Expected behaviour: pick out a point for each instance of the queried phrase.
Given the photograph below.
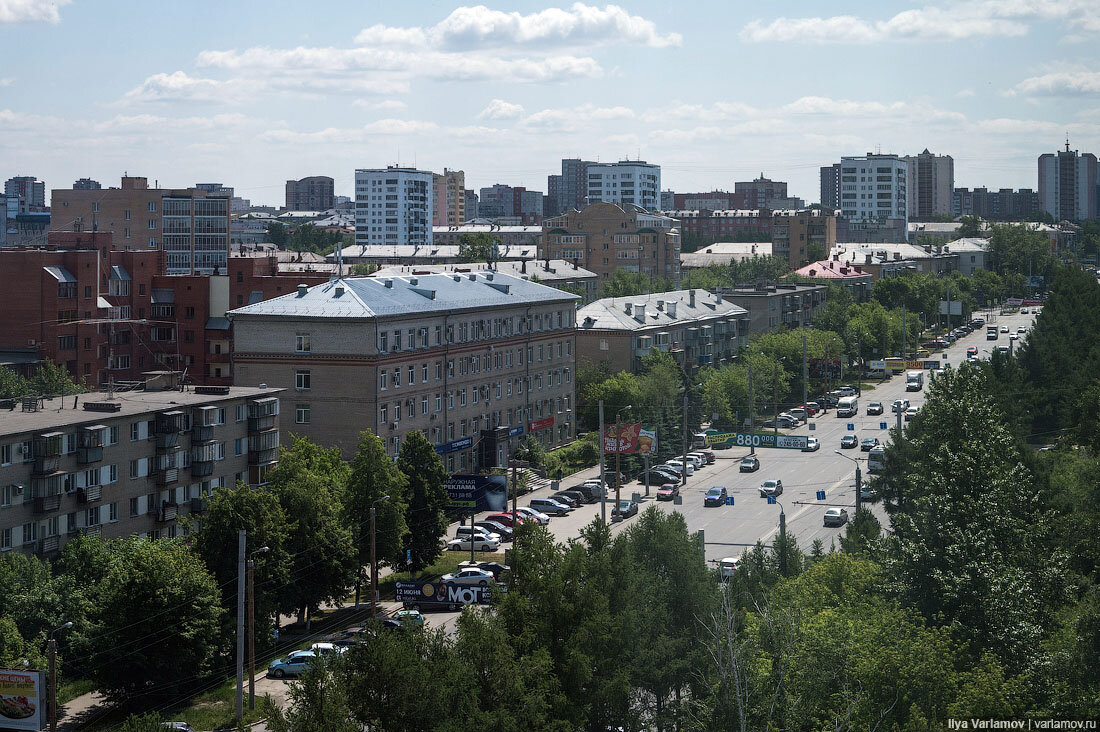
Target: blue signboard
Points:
(455, 445)
(729, 500)
(851, 426)
(771, 500)
(882, 425)
(821, 495)
(517, 430)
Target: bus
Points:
(874, 459)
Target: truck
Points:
(914, 380)
(847, 406)
(875, 459)
(991, 333)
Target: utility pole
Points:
(52, 645)
(904, 333)
(603, 483)
(252, 627)
(782, 541)
(752, 408)
(684, 472)
(859, 488)
(645, 462)
(775, 397)
(859, 358)
(805, 374)
(242, 537)
(884, 331)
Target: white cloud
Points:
(398, 127)
(31, 11)
(964, 93)
(500, 109)
(384, 105)
(574, 118)
(7, 81)
(478, 27)
(1068, 83)
(175, 87)
(6, 115)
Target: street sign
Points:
(812, 426)
(882, 425)
(758, 439)
(729, 500)
(821, 495)
(771, 500)
(408, 556)
(851, 426)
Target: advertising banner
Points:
(541, 424)
(22, 699)
(877, 365)
(455, 445)
(630, 439)
(412, 593)
(758, 439)
(476, 493)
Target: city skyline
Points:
(263, 95)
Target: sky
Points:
(251, 93)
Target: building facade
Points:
(87, 184)
(464, 358)
(724, 224)
(874, 188)
(764, 193)
(633, 182)
(448, 198)
(315, 193)
(128, 463)
(605, 237)
(1005, 204)
(556, 273)
(28, 191)
(1067, 185)
(695, 327)
(830, 186)
(774, 306)
(931, 185)
(570, 189)
(796, 232)
(393, 206)
(508, 236)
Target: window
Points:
(438, 402)
(383, 417)
(5, 538)
(134, 507)
(139, 468)
(241, 412)
(302, 343)
(112, 435)
(438, 370)
(5, 454)
(412, 375)
(30, 533)
(383, 380)
(383, 342)
(424, 374)
(301, 414)
(424, 404)
(112, 511)
(396, 378)
(397, 340)
(410, 407)
(302, 380)
(603, 344)
(238, 447)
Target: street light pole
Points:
(242, 537)
(618, 455)
(252, 627)
(859, 478)
(53, 675)
(374, 555)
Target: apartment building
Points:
(797, 233)
(1067, 185)
(605, 237)
(709, 201)
(551, 272)
(774, 306)
(508, 236)
(931, 184)
(86, 184)
(568, 190)
(501, 201)
(633, 182)
(873, 187)
(473, 360)
(28, 191)
(830, 186)
(393, 206)
(1004, 204)
(448, 198)
(851, 276)
(314, 193)
(765, 193)
(696, 327)
(128, 462)
(190, 225)
(718, 225)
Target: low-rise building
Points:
(723, 225)
(128, 462)
(553, 272)
(928, 258)
(778, 305)
(725, 252)
(413, 254)
(851, 276)
(697, 327)
(508, 236)
(972, 253)
(473, 360)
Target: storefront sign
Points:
(454, 446)
(22, 699)
(758, 439)
(412, 593)
(541, 424)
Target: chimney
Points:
(627, 308)
(339, 291)
(691, 298)
(660, 305)
(868, 260)
(670, 307)
(639, 312)
(523, 266)
(302, 290)
(718, 298)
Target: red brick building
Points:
(724, 225)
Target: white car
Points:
(697, 461)
(910, 413)
(836, 517)
(464, 531)
(469, 577)
(481, 543)
(678, 463)
(728, 566)
(529, 512)
(322, 648)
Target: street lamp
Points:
(619, 453)
(252, 626)
(52, 644)
(859, 484)
(374, 558)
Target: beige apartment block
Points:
(128, 462)
(448, 198)
(474, 360)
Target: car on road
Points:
(533, 513)
(464, 531)
(469, 577)
(727, 566)
(177, 726)
(867, 493)
(480, 543)
(624, 510)
(668, 491)
(495, 527)
(1004, 349)
(771, 488)
(716, 496)
(848, 441)
(749, 464)
(409, 617)
(900, 405)
(910, 413)
(812, 444)
(293, 664)
(550, 507)
(1021, 330)
(1004, 328)
(836, 517)
(972, 351)
(874, 408)
(867, 443)
(1023, 311)
(1014, 337)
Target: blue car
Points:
(716, 496)
(293, 665)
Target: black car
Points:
(566, 498)
(576, 495)
(749, 464)
(660, 477)
(497, 528)
(494, 568)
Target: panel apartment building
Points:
(449, 198)
(393, 206)
(190, 225)
(473, 360)
(126, 463)
(633, 182)
(1067, 185)
(315, 193)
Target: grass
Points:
(210, 710)
(69, 690)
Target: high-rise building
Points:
(873, 188)
(709, 201)
(1067, 185)
(28, 191)
(570, 189)
(766, 193)
(931, 184)
(802, 235)
(830, 186)
(393, 205)
(471, 204)
(1005, 204)
(190, 225)
(496, 201)
(626, 182)
(86, 184)
(314, 193)
(448, 198)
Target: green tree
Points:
(623, 283)
(425, 498)
(970, 227)
(479, 247)
(373, 477)
(12, 385)
(862, 533)
(317, 701)
(147, 722)
(277, 234)
(14, 650)
(531, 450)
(362, 269)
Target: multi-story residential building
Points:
(508, 236)
(189, 225)
(873, 188)
(128, 462)
(1005, 204)
(471, 204)
(393, 206)
(314, 193)
(570, 189)
(931, 182)
(553, 272)
(87, 184)
(633, 182)
(501, 201)
(724, 224)
(795, 232)
(696, 327)
(448, 198)
(711, 201)
(473, 360)
(28, 191)
(830, 186)
(772, 306)
(408, 254)
(605, 237)
(1067, 185)
(765, 193)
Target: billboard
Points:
(22, 699)
(411, 593)
(476, 493)
(758, 439)
(630, 438)
(956, 307)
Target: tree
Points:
(970, 227)
(277, 234)
(362, 269)
(623, 283)
(374, 476)
(425, 498)
(531, 450)
(862, 533)
(479, 247)
(148, 722)
(158, 622)
(12, 385)
(317, 701)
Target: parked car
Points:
(697, 461)
(1004, 328)
(709, 455)
(325, 647)
(177, 726)
(469, 577)
(550, 507)
(972, 351)
(293, 664)
(701, 457)
(771, 488)
(668, 491)
(481, 543)
(496, 527)
(867, 443)
(592, 490)
(494, 568)
(786, 422)
(567, 497)
(533, 513)
(508, 519)
(409, 617)
(910, 413)
(689, 467)
(716, 496)
(836, 517)
(900, 405)
(874, 408)
(847, 390)
(660, 477)
(463, 532)
(727, 566)
(624, 510)
(848, 441)
(812, 408)
(750, 464)
(812, 444)
(677, 470)
(1023, 311)
(798, 413)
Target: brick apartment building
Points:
(793, 231)
(723, 225)
(315, 193)
(130, 462)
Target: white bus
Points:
(874, 459)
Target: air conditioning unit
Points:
(32, 342)
(393, 426)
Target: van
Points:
(549, 506)
(875, 458)
(847, 406)
(698, 440)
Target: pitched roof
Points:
(611, 313)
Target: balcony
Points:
(263, 457)
(198, 505)
(85, 455)
(48, 546)
(96, 530)
(168, 476)
(168, 512)
(168, 440)
(90, 494)
(269, 440)
(263, 407)
(202, 468)
(201, 434)
(259, 424)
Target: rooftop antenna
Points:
(1067, 140)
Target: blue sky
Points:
(252, 93)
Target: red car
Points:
(811, 409)
(507, 519)
(668, 491)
